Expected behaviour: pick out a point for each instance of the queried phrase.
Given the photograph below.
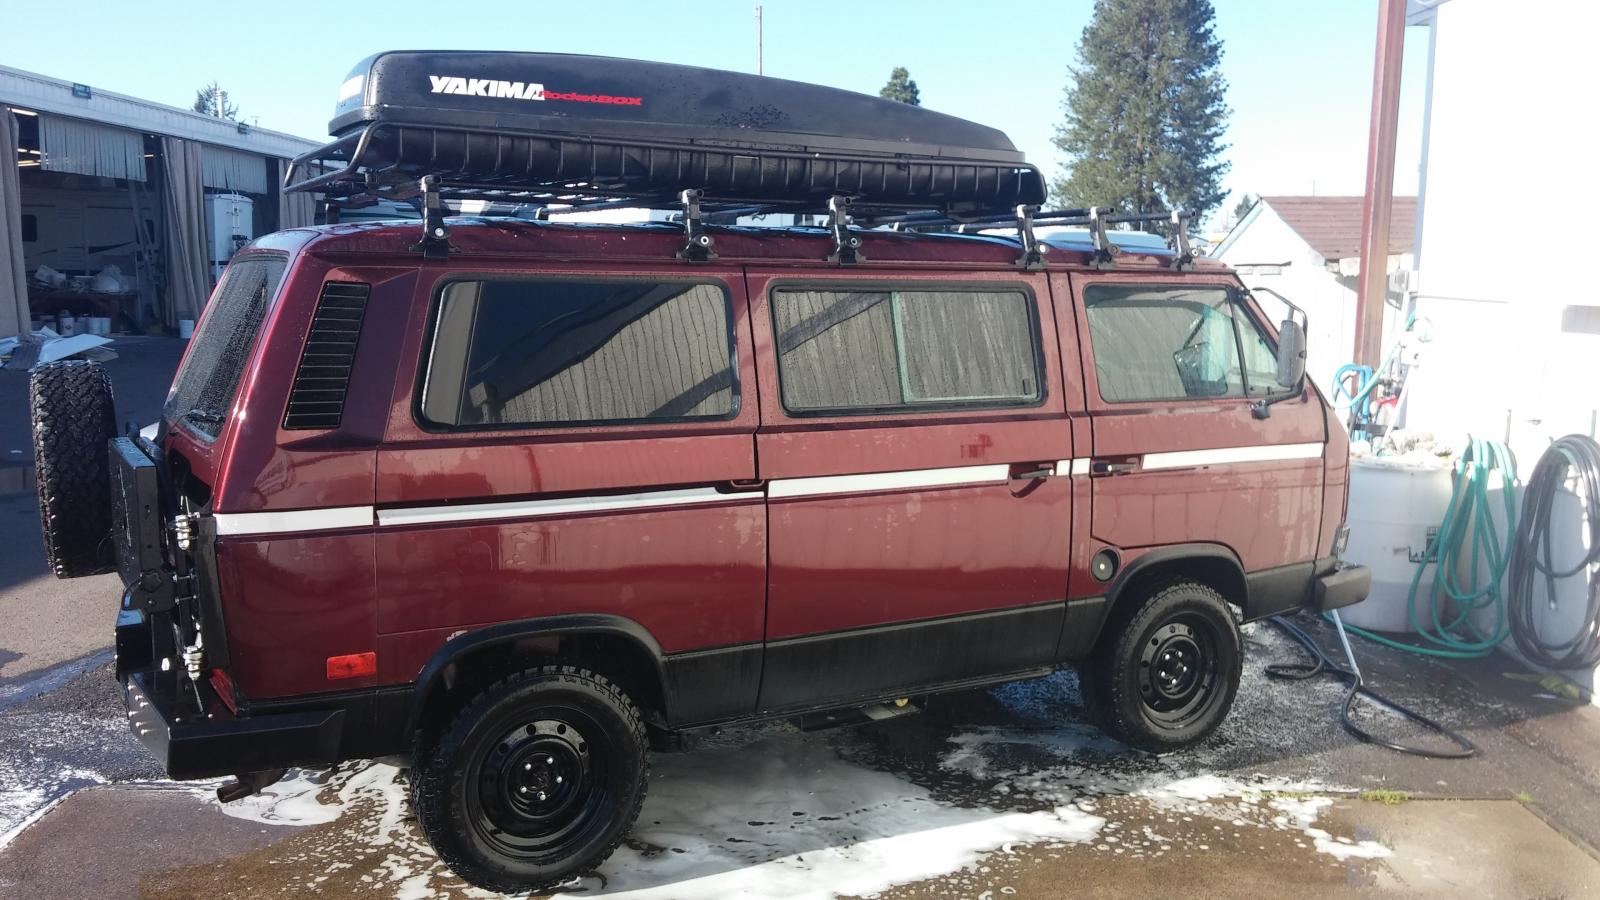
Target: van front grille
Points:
(317, 398)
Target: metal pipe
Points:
(1379, 199)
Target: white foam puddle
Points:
(766, 812)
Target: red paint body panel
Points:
(1268, 513)
(290, 603)
(842, 562)
(717, 574)
(694, 576)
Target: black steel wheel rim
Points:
(1178, 671)
(541, 786)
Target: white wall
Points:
(1330, 303)
(1509, 182)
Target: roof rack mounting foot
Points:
(697, 244)
(1183, 260)
(330, 212)
(1032, 258)
(435, 243)
(846, 246)
(1105, 252)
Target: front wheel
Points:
(1164, 676)
(537, 779)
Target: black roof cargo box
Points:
(556, 127)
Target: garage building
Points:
(126, 209)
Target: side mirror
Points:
(1291, 353)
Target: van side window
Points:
(1153, 343)
(1260, 359)
(546, 352)
(860, 350)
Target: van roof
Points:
(658, 242)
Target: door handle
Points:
(1107, 467)
(1040, 470)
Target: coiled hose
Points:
(1469, 558)
(1533, 557)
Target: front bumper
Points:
(195, 735)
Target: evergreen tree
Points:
(901, 88)
(1246, 203)
(205, 101)
(1145, 112)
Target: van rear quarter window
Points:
(1166, 343)
(563, 352)
(202, 392)
(864, 350)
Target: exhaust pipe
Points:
(243, 785)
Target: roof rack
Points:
(584, 132)
(574, 133)
(1026, 218)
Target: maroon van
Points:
(519, 496)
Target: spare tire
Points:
(74, 418)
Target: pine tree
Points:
(205, 101)
(1145, 112)
(1246, 203)
(901, 88)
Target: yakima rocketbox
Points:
(549, 126)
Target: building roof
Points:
(42, 93)
(1332, 225)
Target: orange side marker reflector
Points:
(352, 665)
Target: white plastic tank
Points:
(230, 224)
(1396, 504)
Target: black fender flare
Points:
(502, 633)
(1218, 555)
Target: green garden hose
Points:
(1469, 557)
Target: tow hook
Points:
(241, 786)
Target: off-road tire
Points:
(74, 417)
(1120, 695)
(448, 774)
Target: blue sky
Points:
(1299, 73)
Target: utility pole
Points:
(758, 39)
(221, 100)
(1373, 285)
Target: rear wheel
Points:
(73, 420)
(536, 780)
(1165, 677)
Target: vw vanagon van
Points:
(843, 428)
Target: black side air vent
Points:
(317, 399)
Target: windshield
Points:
(203, 391)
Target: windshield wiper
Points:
(202, 417)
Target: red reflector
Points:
(352, 665)
(223, 685)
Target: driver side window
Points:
(1175, 343)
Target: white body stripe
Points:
(232, 524)
(522, 509)
(1184, 459)
(888, 481)
(295, 520)
(1079, 466)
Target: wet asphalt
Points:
(1520, 819)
